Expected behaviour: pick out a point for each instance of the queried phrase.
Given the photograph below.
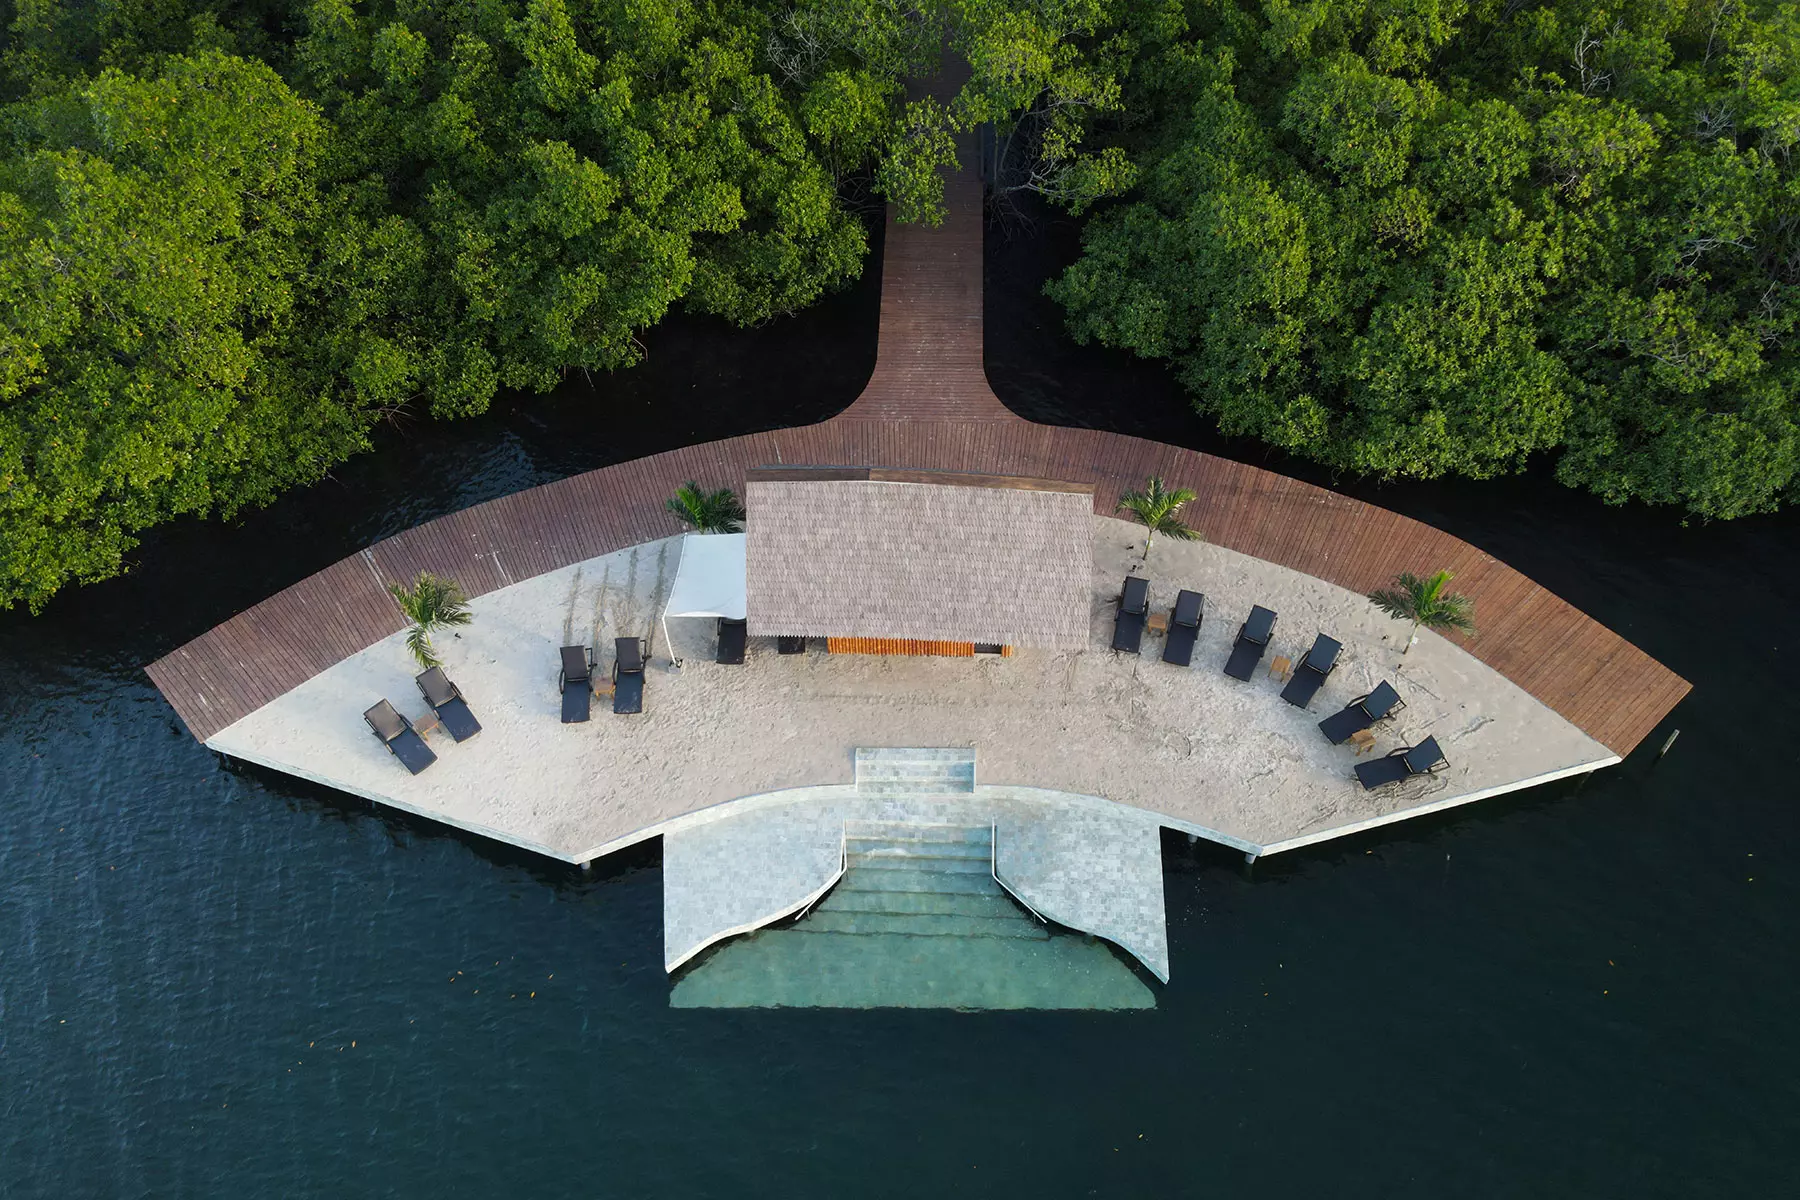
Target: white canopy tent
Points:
(709, 581)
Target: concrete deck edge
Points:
(742, 804)
(735, 807)
(440, 818)
(1339, 831)
(1163, 820)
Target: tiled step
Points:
(942, 785)
(911, 879)
(921, 848)
(992, 904)
(896, 860)
(921, 771)
(923, 924)
(917, 831)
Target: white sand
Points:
(1206, 753)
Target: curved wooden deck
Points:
(927, 407)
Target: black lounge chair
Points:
(398, 735)
(732, 635)
(628, 675)
(1361, 713)
(790, 645)
(1252, 639)
(1134, 609)
(1422, 759)
(446, 699)
(1309, 675)
(577, 683)
(1184, 627)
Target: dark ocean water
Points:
(216, 981)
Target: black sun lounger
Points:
(1184, 628)
(628, 675)
(790, 645)
(1309, 675)
(446, 699)
(1134, 608)
(1422, 759)
(731, 641)
(398, 735)
(576, 683)
(1361, 713)
(1252, 639)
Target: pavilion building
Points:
(878, 561)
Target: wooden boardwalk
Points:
(927, 407)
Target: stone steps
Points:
(915, 771)
(908, 833)
(990, 905)
(954, 864)
(917, 921)
(924, 924)
(911, 879)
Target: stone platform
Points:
(1187, 747)
(919, 919)
(1080, 861)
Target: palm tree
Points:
(707, 512)
(1156, 507)
(431, 603)
(1425, 602)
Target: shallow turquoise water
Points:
(917, 925)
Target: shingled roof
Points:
(939, 557)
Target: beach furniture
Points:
(790, 645)
(1309, 675)
(628, 675)
(1252, 639)
(576, 682)
(398, 735)
(732, 634)
(1134, 606)
(1422, 759)
(1361, 713)
(1184, 627)
(446, 700)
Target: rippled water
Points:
(215, 981)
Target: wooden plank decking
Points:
(927, 408)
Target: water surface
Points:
(215, 981)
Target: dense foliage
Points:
(1406, 237)
(1423, 237)
(226, 252)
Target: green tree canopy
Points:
(157, 243)
(1419, 239)
(238, 233)
(1402, 237)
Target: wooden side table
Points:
(1157, 623)
(1363, 740)
(1280, 667)
(427, 723)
